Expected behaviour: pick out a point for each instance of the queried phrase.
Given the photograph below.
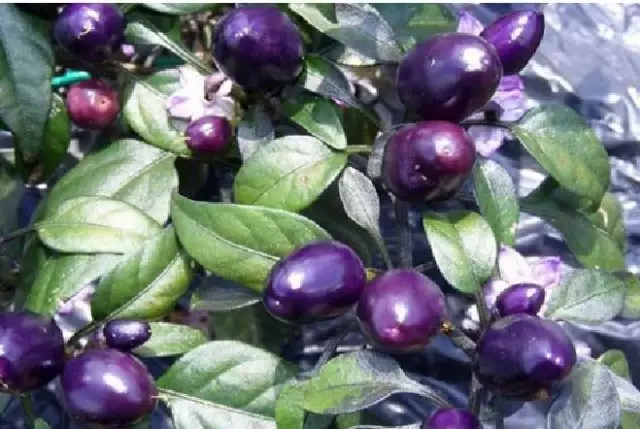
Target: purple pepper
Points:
(108, 387)
(90, 31)
(320, 280)
(92, 104)
(451, 418)
(521, 298)
(260, 48)
(125, 335)
(427, 161)
(448, 77)
(401, 310)
(516, 37)
(209, 134)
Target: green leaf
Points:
(217, 294)
(358, 380)
(632, 295)
(497, 199)
(565, 146)
(146, 113)
(319, 117)
(181, 8)
(252, 325)
(325, 78)
(146, 284)
(291, 415)
(41, 424)
(591, 245)
(11, 191)
(127, 170)
(57, 136)
(26, 67)
(142, 27)
(96, 225)
(588, 400)
(289, 173)
(254, 131)
(616, 361)
(169, 339)
(240, 243)
(609, 218)
(463, 246)
(586, 296)
(328, 211)
(225, 384)
(358, 26)
(414, 22)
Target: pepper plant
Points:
(242, 159)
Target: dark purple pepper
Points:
(209, 134)
(108, 387)
(92, 104)
(320, 280)
(427, 161)
(520, 298)
(90, 31)
(451, 418)
(401, 310)
(522, 356)
(516, 37)
(448, 77)
(260, 48)
(125, 334)
(31, 351)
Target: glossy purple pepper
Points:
(209, 134)
(522, 356)
(31, 351)
(451, 418)
(427, 161)
(516, 37)
(108, 387)
(520, 298)
(260, 48)
(125, 335)
(90, 31)
(401, 310)
(92, 104)
(320, 280)
(448, 77)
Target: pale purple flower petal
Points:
(225, 88)
(513, 267)
(467, 23)
(128, 50)
(492, 289)
(223, 107)
(75, 312)
(487, 139)
(192, 80)
(547, 271)
(511, 98)
(179, 105)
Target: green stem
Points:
(483, 123)
(405, 244)
(384, 252)
(18, 233)
(456, 336)
(475, 396)
(82, 332)
(358, 148)
(483, 311)
(69, 78)
(127, 7)
(499, 413)
(426, 266)
(27, 405)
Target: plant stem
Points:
(127, 7)
(384, 252)
(27, 405)
(358, 148)
(426, 266)
(475, 395)
(328, 352)
(499, 414)
(401, 210)
(18, 233)
(483, 311)
(456, 336)
(82, 332)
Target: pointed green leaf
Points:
(319, 117)
(169, 339)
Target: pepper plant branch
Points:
(401, 210)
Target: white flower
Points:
(190, 103)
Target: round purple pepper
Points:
(320, 280)
(427, 161)
(108, 387)
(401, 310)
(31, 351)
(522, 356)
(125, 334)
(451, 418)
(90, 31)
(92, 104)
(209, 134)
(448, 77)
(260, 48)
(521, 298)
(516, 37)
